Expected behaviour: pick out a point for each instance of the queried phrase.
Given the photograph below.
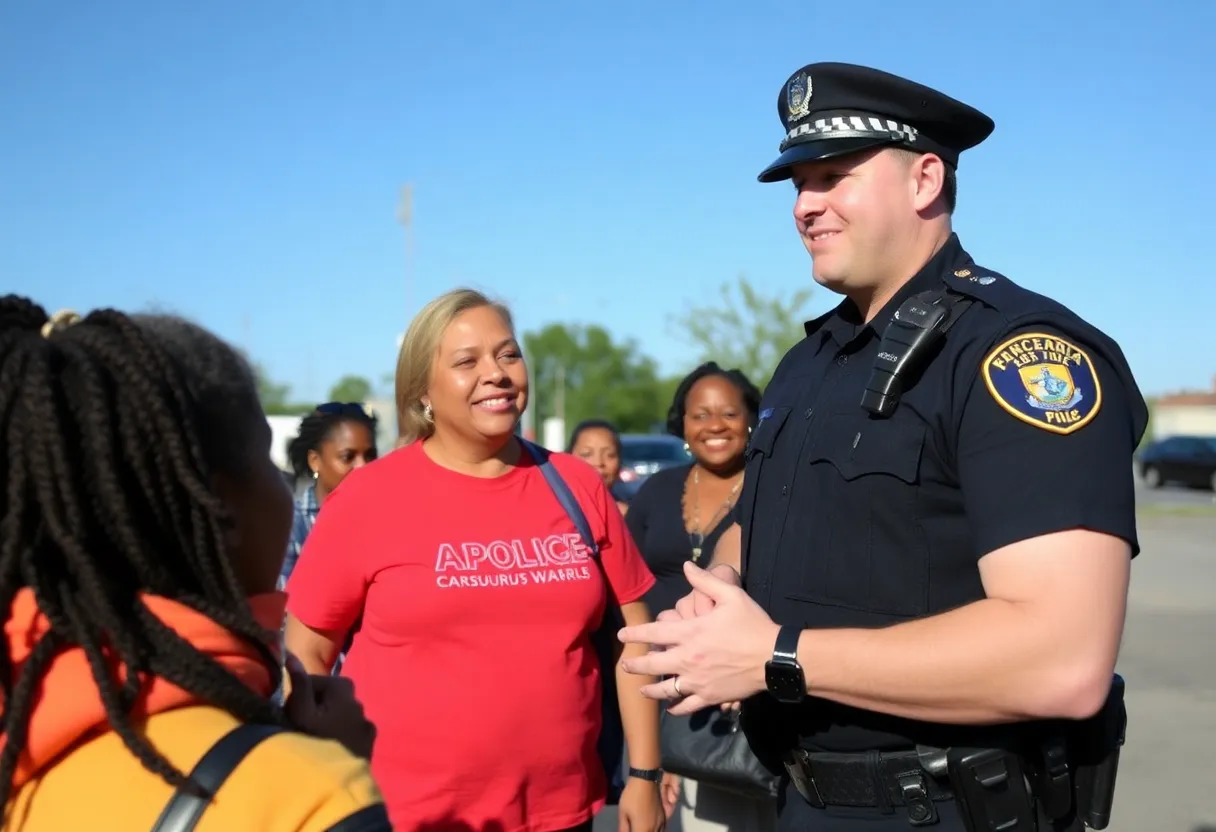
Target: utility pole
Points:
(247, 335)
(405, 216)
(560, 396)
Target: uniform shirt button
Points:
(785, 489)
(808, 413)
(842, 359)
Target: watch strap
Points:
(654, 775)
(785, 651)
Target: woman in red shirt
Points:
(478, 599)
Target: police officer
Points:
(938, 515)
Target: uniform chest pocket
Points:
(872, 552)
(760, 447)
(765, 434)
(859, 448)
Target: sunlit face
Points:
(478, 383)
(858, 214)
(715, 422)
(347, 446)
(599, 447)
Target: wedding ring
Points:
(676, 681)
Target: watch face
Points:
(785, 682)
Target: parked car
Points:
(642, 454)
(1186, 460)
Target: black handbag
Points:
(709, 747)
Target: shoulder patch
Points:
(1044, 380)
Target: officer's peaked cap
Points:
(830, 109)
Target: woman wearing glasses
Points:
(334, 440)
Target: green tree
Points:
(1151, 401)
(275, 397)
(351, 389)
(581, 373)
(745, 329)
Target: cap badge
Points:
(798, 96)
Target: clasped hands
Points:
(710, 650)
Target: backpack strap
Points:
(183, 811)
(563, 494)
(610, 745)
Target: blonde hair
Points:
(418, 350)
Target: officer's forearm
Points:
(992, 661)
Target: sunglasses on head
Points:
(344, 409)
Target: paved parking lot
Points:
(1167, 775)
(1171, 496)
(1167, 778)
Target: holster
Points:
(1067, 778)
(1094, 748)
(990, 788)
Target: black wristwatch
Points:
(782, 673)
(654, 775)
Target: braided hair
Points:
(112, 430)
(679, 402)
(317, 427)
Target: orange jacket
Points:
(75, 772)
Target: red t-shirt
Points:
(474, 657)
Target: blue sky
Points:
(241, 162)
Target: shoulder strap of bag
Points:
(610, 745)
(564, 496)
(183, 811)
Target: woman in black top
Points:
(679, 514)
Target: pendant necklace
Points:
(696, 538)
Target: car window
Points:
(1173, 445)
(1189, 445)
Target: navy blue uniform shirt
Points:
(1023, 424)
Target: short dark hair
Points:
(679, 402)
(589, 424)
(317, 426)
(124, 420)
(950, 189)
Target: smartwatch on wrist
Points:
(782, 674)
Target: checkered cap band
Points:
(849, 127)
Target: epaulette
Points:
(979, 283)
(998, 292)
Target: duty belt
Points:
(872, 779)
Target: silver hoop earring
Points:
(427, 412)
